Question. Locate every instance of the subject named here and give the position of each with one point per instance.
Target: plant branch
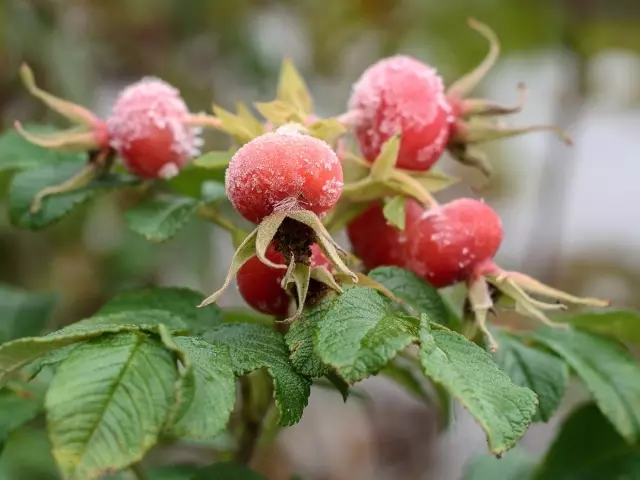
(254, 409)
(138, 472)
(213, 215)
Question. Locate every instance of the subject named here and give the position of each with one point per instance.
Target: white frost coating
(290, 129)
(146, 106)
(168, 171)
(283, 170)
(385, 97)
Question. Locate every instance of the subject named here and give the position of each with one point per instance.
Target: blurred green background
(571, 215)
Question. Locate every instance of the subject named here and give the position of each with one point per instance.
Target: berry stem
(350, 119)
(204, 120)
(213, 215)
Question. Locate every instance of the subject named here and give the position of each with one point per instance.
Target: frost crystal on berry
(147, 128)
(401, 94)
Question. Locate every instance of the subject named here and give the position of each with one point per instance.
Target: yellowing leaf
(278, 112)
(293, 89)
(328, 130)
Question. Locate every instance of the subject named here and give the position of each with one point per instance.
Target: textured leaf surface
(254, 346)
(623, 325)
(19, 154)
(180, 302)
(515, 465)
(300, 339)
(108, 402)
(26, 185)
(23, 313)
(159, 219)
(142, 318)
(17, 353)
(19, 404)
(588, 448)
(610, 373)
(359, 331)
(418, 295)
(503, 409)
(545, 374)
(208, 390)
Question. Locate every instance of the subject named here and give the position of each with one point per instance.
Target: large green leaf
(16, 153)
(588, 448)
(623, 325)
(180, 302)
(107, 403)
(208, 386)
(515, 465)
(417, 294)
(26, 185)
(503, 409)
(253, 347)
(23, 313)
(17, 353)
(161, 218)
(610, 373)
(19, 403)
(545, 374)
(359, 331)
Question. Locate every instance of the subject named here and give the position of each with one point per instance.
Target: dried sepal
(75, 139)
(265, 233)
(322, 275)
(74, 113)
(481, 304)
(301, 277)
(245, 251)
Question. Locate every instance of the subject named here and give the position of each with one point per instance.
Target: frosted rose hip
(285, 169)
(148, 129)
(446, 244)
(400, 93)
(376, 242)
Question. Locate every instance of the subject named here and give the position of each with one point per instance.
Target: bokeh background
(571, 215)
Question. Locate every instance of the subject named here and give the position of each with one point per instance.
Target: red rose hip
(446, 244)
(283, 170)
(401, 94)
(148, 128)
(376, 242)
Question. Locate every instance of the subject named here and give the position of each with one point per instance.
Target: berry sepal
(520, 289)
(471, 125)
(88, 133)
(292, 232)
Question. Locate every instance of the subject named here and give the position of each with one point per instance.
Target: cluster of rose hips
(294, 176)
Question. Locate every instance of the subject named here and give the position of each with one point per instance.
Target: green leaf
(16, 153)
(23, 313)
(214, 160)
(213, 192)
(246, 315)
(588, 448)
(545, 374)
(108, 402)
(159, 219)
(358, 332)
(27, 184)
(339, 384)
(236, 126)
(419, 295)
(141, 318)
(328, 129)
(503, 409)
(208, 386)
(17, 353)
(300, 339)
(19, 404)
(515, 465)
(255, 346)
(278, 112)
(180, 302)
(293, 89)
(607, 369)
(623, 325)
(406, 377)
(394, 212)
